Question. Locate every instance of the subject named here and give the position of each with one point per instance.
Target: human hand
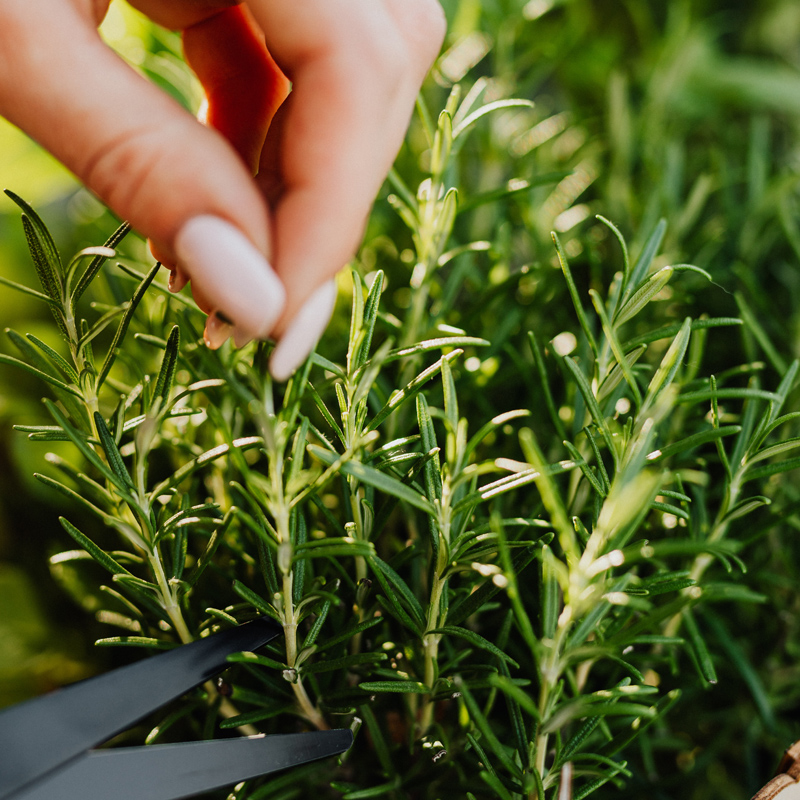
(355, 68)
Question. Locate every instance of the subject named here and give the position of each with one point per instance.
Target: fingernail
(218, 329)
(241, 338)
(177, 279)
(224, 264)
(303, 332)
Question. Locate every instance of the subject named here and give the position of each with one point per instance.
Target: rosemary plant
(497, 604)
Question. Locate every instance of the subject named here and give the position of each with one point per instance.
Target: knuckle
(423, 25)
(118, 169)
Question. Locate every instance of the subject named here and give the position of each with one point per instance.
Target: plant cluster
(497, 604)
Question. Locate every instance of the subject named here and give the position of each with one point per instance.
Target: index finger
(356, 67)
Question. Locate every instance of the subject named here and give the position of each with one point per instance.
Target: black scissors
(46, 743)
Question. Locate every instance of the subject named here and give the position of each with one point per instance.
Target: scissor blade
(172, 771)
(43, 733)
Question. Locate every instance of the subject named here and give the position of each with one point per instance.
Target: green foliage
(505, 516)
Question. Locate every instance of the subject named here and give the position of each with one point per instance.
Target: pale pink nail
(240, 338)
(231, 273)
(217, 331)
(177, 279)
(303, 332)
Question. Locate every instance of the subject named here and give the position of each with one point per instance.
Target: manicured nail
(218, 329)
(177, 279)
(224, 264)
(303, 332)
(241, 338)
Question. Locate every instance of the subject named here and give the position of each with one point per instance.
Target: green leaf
(670, 364)
(639, 725)
(626, 263)
(496, 785)
(579, 709)
(573, 293)
(136, 641)
(488, 590)
(587, 471)
(576, 740)
(487, 732)
(112, 451)
(347, 635)
(771, 469)
(745, 507)
(643, 295)
(79, 440)
(166, 375)
(515, 693)
(43, 433)
(512, 188)
(96, 264)
(476, 640)
(343, 546)
(702, 658)
(124, 323)
(645, 261)
(668, 331)
(727, 394)
(370, 317)
(616, 347)
(615, 375)
(401, 396)
(489, 108)
(208, 554)
(58, 384)
(385, 573)
(327, 365)
(252, 717)
(247, 657)
(27, 290)
(434, 344)
(395, 687)
(344, 663)
(591, 402)
(356, 320)
(72, 495)
(329, 418)
(372, 477)
(695, 440)
(245, 443)
(42, 233)
(97, 553)
(382, 790)
(254, 599)
(544, 382)
(431, 470)
(56, 358)
(493, 424)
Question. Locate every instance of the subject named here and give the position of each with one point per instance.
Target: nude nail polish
(217, 331)
(303, 332)
(235, 277)
(177, 279)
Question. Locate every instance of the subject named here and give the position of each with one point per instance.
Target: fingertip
(226, 267)
(303, 332)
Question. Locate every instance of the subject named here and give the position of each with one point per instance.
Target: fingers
(137, 149)
(356, 68)
(355, 74)
(243, 85)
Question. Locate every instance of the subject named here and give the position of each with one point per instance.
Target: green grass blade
(123, 325)
(573, 293)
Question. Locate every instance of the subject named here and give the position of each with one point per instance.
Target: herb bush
(505, 514)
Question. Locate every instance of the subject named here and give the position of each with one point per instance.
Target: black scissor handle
(44, 733)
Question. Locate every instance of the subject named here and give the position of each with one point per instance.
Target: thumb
(178, 182)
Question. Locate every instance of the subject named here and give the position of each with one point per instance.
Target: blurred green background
(688, 110)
